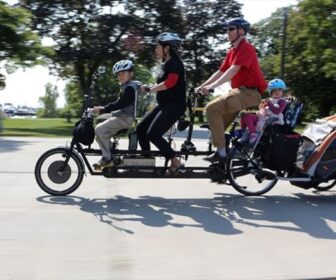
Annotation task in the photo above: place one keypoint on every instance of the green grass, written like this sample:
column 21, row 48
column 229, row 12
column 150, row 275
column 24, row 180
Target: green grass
column 50, row 127
column 37, row 127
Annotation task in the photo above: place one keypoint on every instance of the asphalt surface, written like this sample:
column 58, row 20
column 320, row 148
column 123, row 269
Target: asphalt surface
column 157, row 228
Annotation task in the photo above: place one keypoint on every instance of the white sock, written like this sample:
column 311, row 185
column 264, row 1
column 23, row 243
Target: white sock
column 222, row 152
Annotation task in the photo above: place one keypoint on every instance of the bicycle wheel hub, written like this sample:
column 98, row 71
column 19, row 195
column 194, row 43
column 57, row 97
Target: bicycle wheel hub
column 58, row 172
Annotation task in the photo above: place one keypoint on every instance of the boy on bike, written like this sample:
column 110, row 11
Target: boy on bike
column 122, row 111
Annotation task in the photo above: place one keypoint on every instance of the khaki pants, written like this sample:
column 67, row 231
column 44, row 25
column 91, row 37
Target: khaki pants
column 222, row 111
column 105, row 130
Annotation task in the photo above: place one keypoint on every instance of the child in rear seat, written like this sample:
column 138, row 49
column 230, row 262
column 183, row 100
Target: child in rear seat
column 122, row 111
column 270, row 107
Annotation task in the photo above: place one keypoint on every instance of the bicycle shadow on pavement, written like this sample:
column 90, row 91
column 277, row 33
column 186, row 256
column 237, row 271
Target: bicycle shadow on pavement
column 224, row 214
column 300, row 212
column 152, row 211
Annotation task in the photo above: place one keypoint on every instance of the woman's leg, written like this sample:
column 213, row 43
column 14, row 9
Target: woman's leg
column 162, row 122
column 142, row 129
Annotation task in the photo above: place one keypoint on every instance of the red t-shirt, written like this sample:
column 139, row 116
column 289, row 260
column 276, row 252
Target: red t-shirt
column 249, row 74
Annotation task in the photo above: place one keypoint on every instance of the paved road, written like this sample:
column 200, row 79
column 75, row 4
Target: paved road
column 157, row 229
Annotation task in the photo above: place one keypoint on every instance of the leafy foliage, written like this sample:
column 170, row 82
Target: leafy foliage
column 88, row 34
column 48, row 101
column 206, row 44
column 310, row 52
column 19, row 44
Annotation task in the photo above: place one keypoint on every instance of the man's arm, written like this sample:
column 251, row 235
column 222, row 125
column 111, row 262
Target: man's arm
column 225, row 77
column 215, row 76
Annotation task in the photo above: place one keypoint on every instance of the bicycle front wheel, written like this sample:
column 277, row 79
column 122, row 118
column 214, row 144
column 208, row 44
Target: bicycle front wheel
column 246, row 175
column 59, row 171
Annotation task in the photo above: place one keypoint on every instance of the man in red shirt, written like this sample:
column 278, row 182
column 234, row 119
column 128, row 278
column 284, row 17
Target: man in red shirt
column 242, row 68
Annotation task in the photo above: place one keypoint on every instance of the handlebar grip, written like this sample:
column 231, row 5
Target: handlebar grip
column 147, row 88
column 200, row 92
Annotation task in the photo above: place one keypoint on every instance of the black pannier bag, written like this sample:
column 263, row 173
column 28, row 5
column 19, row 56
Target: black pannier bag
column 279, row 149
column 84, row 131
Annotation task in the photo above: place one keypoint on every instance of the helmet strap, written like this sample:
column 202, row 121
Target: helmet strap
column 237, row 37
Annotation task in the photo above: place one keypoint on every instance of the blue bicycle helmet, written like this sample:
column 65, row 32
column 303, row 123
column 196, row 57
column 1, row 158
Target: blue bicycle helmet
column 238, row 22
column 276, row 83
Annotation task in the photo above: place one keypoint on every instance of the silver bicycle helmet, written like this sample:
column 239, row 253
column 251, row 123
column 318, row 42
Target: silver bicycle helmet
column 123, row 65
column 170, row 39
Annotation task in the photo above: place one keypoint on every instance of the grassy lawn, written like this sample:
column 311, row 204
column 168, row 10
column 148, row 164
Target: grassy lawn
column 37, row 127
column 49, row 127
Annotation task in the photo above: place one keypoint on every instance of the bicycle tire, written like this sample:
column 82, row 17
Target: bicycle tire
column 52, row 176
column 327, row 187
column 246, row 177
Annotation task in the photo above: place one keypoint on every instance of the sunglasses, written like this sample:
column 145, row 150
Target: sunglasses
column 232, row 28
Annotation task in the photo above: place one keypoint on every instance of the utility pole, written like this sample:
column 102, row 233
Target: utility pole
column 283, row 47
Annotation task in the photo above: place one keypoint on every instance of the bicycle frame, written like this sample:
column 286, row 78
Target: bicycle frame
column 188, row 149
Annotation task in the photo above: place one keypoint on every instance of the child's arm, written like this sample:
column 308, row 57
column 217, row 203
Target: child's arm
column 277, row 109
column 126, row 99
column 263, row 104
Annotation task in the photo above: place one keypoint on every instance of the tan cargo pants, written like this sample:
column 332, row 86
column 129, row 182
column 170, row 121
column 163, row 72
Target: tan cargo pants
column 105, row 130
column 222, row 111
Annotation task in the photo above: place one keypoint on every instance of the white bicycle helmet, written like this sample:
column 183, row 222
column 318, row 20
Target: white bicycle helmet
column 168, row 38
column 123, row 65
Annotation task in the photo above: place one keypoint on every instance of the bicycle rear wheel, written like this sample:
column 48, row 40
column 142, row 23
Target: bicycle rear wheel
column 325, row 186
column 246, row 175
column 57, row 176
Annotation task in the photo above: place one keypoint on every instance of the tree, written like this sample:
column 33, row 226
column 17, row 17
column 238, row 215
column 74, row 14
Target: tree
column 206, row 43
column 48, row 102
column 88, row 34
column 311, row 58
column 19, row 44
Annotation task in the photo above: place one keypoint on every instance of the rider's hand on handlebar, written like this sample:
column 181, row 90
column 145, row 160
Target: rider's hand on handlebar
column 96, row 109
column 206, row 90
column 198, row 89
column 144, row 89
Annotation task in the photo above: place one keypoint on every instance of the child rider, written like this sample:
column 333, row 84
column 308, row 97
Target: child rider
column 270, row 107
column 122, row 111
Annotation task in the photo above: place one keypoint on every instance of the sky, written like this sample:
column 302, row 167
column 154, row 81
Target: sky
column 24, row 87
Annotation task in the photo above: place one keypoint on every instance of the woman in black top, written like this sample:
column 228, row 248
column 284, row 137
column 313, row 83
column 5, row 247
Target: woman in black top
column 171, row 98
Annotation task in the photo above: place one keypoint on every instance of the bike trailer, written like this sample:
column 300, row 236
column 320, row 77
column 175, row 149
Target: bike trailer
column 317, row 155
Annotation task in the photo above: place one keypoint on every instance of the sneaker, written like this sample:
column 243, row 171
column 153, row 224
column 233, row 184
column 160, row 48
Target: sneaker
column 253, row 138
column 245, row 137
column 103, row 162
column 215, row 157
